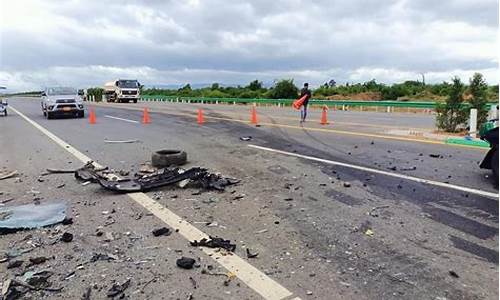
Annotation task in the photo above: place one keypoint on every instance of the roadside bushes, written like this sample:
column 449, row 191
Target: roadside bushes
column 451, row 115
column 96, row 93
column 478, row 90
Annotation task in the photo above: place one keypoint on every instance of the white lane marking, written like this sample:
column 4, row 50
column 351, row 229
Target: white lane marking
column 251, row 276
column 402, row 176
column 121, row 119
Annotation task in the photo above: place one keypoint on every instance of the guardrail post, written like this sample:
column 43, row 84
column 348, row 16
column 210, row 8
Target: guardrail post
column 388, row 109
column 473, row 122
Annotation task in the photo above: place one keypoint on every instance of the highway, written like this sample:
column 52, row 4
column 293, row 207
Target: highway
column 341, row 211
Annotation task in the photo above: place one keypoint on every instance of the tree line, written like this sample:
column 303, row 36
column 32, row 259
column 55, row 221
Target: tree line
column 287, row 89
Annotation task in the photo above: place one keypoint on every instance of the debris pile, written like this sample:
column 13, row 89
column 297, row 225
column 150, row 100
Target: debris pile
column 195, row 176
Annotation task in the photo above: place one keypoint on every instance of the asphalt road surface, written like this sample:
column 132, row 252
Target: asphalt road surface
column 316, row 205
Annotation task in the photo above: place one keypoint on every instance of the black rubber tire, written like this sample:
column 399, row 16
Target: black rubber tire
column 167, row 158
column 49, row 115
column 81, row 114
column 5, row 112
column 135, row 100
column 494, row 165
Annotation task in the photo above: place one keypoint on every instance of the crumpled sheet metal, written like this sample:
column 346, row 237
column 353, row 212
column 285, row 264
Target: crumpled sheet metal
column 31, row 216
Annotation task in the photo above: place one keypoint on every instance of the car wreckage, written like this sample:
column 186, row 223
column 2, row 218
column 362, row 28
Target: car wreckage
column 194, row 177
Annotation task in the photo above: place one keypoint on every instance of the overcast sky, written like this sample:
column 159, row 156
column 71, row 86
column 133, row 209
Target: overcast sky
column 85, row 43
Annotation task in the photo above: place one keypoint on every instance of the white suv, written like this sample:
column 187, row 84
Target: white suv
column 62, row 101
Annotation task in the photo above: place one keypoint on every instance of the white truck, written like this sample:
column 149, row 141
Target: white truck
column 122, row 90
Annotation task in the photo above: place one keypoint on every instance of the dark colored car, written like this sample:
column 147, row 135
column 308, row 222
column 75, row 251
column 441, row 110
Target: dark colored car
column 490, row 161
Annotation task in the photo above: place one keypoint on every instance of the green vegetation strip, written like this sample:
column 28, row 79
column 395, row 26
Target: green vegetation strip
column 463, row 141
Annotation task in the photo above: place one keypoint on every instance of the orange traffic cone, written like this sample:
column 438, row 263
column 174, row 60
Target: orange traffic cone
column 200, row 116
column 253, row 119
column 92, row 116
column 145, row 116
column 324, row 119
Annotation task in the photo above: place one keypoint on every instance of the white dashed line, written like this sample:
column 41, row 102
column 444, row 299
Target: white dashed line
column 121, row 119
column 402, row 176
column 251, row 276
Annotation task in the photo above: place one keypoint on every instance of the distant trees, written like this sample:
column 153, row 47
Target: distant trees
column 255, row 85
column 451, row 114
column 284, row 89
column 411, row 90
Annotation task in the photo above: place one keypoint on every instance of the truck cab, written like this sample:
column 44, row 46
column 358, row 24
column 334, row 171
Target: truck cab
column 122, row 90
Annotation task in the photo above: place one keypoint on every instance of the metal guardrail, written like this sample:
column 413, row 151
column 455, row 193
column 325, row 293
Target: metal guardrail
column 286, row 102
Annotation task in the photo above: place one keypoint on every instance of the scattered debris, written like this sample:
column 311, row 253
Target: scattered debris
column 161, row 231
column 7, row 174
column 195, row 285
column 7, row 200
column 87, row 293
column 246, row 138
column 30, row 216
column 250, row 255
column 37, row 278
column 121, row 141
column 309, row 293
column 117, row 289
column 436, row 155
column 238, row 197
column 14, row 264
column 185, row 262
column 14, row 288
column 261, row 231
column 347, row 184
column 214, row 242
column 453, row 274
column 372, row 211
column 369, row 232
column 61, row 185
column 38, row 260
column 160, row 177
column 413, row 168
column 67, row 237
column 103, row 256
column 61, row 171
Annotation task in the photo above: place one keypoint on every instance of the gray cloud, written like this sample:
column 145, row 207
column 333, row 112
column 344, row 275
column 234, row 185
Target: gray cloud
column 239, row 40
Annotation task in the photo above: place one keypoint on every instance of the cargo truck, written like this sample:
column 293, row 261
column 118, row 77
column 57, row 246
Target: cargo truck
column 122, row 90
